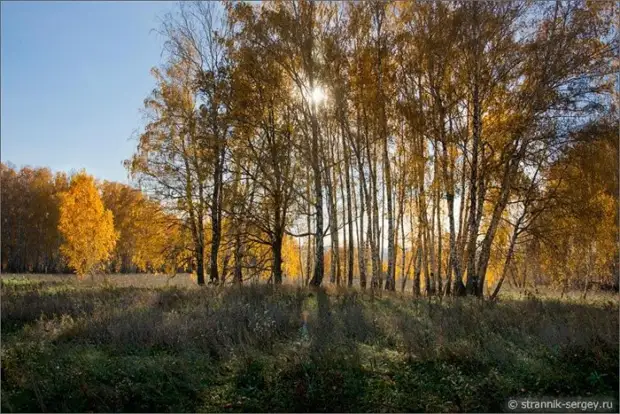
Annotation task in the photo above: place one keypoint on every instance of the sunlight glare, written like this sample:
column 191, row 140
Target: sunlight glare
column 318, row 95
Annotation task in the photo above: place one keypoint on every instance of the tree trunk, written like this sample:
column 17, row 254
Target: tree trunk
column 391, row 270
column 373, row 210
column 333, row 226
column 200, row 266
column 428, row 284
column 301, row 278
column 431, row 236
column 476, row 102
column 413, row 248
column 416, row 271
column 309, row 242
column 361, row 244
column 423, row 217
column 317, row 277
column 404, row 258
column 511, row 247
column 216, row 213
column 345, row 223
column 588, row 272
column 472, row 280
column 350, row 218
column 439, row 245
column 510, row 170
column 215, row 245
column 277, row 257
column 238, row 274
column 463, row 218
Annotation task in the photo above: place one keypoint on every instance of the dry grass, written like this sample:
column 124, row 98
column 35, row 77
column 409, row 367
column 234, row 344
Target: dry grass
column 185, row 280
column 127, row 345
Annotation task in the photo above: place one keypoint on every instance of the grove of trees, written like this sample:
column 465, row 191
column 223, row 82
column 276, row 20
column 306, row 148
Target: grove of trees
column 54, row 223
column 443, row 147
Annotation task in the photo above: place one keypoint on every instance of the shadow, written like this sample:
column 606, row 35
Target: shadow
column 241, row 349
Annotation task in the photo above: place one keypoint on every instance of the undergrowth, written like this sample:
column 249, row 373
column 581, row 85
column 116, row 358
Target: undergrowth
column 74, row 347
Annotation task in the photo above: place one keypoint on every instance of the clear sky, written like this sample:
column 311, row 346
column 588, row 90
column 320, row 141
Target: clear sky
column 74, row 77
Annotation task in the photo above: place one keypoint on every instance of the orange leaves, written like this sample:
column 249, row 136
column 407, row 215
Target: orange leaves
column 87, row 227
column 149, row 238
column 291, row 252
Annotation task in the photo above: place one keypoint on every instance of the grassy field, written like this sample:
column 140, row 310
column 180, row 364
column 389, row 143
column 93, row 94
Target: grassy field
column 146, row 343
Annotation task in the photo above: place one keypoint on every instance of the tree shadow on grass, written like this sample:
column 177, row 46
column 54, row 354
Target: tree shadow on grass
column 243, row 350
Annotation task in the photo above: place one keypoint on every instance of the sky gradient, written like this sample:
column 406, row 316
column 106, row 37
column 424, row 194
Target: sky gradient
column 74, row 77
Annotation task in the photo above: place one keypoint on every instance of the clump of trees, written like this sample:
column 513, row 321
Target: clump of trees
column 420, row 141
column 58, row 223
column 30, row 212
column 55, row 223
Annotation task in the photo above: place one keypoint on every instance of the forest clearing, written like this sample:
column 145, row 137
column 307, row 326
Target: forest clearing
column 309, row 206
column 75, row 346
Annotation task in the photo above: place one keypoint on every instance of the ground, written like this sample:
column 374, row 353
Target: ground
column 146, row 343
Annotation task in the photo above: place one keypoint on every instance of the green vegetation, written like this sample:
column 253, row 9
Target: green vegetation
column 69, row 346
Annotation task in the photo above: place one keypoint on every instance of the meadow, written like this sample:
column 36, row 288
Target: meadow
column 141, row 343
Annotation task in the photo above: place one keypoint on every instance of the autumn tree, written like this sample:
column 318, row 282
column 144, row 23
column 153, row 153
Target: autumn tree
column 196, row 35
column 149, row 237
column 171, row 162
column 86, row 226
column 123, row 202
column 289, row 32
column 577, row 235
column 264, row 144
column 561, row 91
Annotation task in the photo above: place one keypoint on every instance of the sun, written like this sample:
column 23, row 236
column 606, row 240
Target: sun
column 315, row 95
column 318, row 95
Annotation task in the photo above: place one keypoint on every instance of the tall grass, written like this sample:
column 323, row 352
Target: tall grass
column 69, row 346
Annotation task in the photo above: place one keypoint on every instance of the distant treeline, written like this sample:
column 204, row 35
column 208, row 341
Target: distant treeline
column 148, row 239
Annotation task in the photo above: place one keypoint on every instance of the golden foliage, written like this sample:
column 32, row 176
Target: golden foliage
column 291, row 259
column 150, row 240
column 87, row 227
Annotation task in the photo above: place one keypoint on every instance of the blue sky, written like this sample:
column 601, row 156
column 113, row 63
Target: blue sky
column 74, row 77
